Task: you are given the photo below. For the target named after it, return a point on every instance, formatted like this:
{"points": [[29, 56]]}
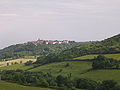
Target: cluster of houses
{"points": [[49, 42]]}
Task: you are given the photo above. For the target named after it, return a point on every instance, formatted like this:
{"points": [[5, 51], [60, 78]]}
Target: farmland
{"points": [[13, 86], [114, 56], [16, 61], [79, 69]]}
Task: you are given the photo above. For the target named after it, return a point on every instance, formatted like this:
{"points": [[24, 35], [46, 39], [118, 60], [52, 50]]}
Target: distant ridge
{"points": [[107, 46], [36, 48]]}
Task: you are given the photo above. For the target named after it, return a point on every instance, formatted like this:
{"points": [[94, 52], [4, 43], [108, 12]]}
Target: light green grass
{"points": [[114, 56], [15, 67], [99, 75], [13, 86], [79, 69], [76, 68]]}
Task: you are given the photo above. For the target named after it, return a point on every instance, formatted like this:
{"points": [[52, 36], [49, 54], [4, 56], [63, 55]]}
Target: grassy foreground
{"points": [[13, 86]]}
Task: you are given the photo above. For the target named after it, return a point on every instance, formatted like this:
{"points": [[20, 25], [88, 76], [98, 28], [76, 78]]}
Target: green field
{"points": [[114, 56], [13, 86], [76, 68], [79, 69]]}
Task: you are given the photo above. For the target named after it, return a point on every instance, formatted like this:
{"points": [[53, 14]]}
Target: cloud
{"points": [[8, 15]]}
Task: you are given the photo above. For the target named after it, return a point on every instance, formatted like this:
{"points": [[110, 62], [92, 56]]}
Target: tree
{"points": [[108, 85]]}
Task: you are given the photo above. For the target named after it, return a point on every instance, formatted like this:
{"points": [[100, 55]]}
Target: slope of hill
{"points": [[30, 49], [107, 46], [13, 86], [114, 56], [79, 69]]}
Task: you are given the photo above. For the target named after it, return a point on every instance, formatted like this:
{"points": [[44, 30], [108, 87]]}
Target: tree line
{"points": [[40, 79], [30, 49]]}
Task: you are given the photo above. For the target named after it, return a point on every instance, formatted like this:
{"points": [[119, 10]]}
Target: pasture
{"points": [[114, 56], [12, 86]]}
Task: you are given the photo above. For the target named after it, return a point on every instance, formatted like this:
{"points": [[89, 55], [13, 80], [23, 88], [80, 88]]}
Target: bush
{"points": [[102, 62], [85, 84], [29, 63], [108, 85]]}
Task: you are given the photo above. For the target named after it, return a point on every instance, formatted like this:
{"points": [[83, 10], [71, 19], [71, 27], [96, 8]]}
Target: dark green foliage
{"points": [[29, 63], [49, 59], [7, 64], [67, 65], [102, 62], [86, 84], [108, 85]]}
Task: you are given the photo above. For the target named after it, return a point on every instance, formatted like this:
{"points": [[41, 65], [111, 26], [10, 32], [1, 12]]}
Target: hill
{"points": [[107, 46], [31, 49]]}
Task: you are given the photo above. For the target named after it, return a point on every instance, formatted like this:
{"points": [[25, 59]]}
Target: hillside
{"points": [[114, 56], [13, 86], [30, 49], [78, 69], [107, 46]]}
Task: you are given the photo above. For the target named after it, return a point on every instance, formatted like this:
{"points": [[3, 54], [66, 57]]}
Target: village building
{"points": [[48, 42]]}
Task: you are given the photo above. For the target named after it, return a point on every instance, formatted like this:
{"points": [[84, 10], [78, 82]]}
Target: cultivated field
{"points": [[16, 66], [16, 61]]}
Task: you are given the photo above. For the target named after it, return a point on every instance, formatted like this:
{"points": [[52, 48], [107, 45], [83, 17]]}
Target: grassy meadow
{"points": [[13, 86], [79, 69], [114, 56]]}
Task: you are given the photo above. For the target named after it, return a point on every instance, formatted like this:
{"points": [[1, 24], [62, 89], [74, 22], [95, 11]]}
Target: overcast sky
{"points": [[80, 20]]}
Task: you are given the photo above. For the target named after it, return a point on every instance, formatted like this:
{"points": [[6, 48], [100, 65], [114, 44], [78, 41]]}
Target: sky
{"points": [[79, 20]]}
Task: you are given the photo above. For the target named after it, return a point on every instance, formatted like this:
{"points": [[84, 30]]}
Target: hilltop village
{"points": [[49, 42]]}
